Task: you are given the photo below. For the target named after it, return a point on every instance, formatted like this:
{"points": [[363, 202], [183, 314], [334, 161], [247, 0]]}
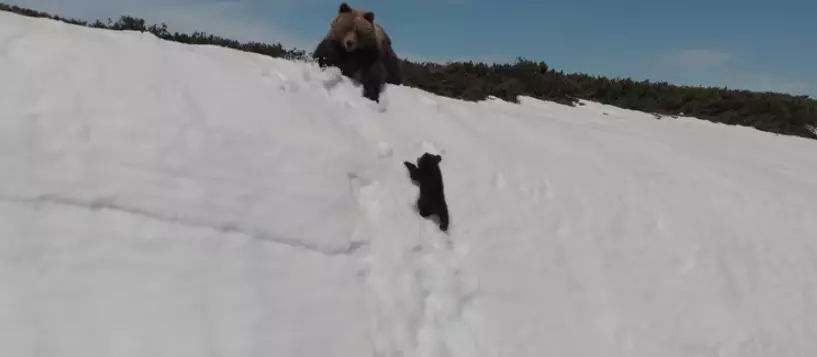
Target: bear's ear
{"points": [[437, 158], [344, 7], [368, 15]]}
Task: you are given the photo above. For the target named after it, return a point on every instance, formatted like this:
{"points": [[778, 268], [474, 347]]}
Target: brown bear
{"points": [[361, 49]]}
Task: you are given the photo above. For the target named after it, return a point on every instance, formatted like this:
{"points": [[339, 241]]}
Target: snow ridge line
{"points": [[110, 204]]}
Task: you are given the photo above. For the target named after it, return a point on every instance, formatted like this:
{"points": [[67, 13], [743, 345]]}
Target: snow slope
{"points": [[159, 199]]}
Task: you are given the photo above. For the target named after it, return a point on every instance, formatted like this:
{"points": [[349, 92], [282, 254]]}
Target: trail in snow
{"points": [[419, 293], [420, 298], [159, 199]]}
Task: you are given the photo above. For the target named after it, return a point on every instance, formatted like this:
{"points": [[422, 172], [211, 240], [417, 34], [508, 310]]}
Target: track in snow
{"points": [[421, 302]]}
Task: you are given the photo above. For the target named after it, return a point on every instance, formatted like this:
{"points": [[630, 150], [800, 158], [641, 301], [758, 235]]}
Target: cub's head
{"points": [[353, 28], [428, 161]]}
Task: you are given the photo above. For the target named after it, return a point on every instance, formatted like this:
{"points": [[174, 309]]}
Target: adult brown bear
{"points": [[361, 49]]}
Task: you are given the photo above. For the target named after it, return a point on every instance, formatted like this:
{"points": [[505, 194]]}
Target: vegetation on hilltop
{"points": [[767, 111]]}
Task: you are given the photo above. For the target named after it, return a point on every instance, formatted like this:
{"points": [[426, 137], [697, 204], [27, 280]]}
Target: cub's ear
{"points": [[437, 158], [369, 16], [344, 7]]}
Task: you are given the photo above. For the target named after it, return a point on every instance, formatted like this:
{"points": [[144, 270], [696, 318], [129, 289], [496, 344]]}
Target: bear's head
{"points": [[428, 160], [353, 28], [427, 166]]}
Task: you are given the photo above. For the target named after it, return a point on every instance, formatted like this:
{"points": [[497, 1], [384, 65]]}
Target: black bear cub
{"points": [[427, 175]]}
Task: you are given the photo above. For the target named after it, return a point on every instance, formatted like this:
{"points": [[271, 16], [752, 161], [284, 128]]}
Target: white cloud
{"points": [[753, 81], [226, 18], [718, 68], [697, 58], [418, 58], [766, 82]]}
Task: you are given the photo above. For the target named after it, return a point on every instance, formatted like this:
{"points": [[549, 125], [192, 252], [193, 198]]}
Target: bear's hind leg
{"points": [[423, 208], [443, 214]]}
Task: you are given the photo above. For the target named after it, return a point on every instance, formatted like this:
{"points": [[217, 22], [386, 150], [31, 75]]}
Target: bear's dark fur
{"points": [[361, 49], [429, 178]]}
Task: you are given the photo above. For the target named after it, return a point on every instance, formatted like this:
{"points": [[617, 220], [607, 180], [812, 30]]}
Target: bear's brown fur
{"points": [[361, 49]]}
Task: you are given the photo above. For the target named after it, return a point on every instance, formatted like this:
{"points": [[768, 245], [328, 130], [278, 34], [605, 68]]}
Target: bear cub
{"points": [[429, 178]]}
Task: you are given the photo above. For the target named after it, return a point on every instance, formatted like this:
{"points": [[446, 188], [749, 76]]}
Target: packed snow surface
{"points": [[160, 199]]}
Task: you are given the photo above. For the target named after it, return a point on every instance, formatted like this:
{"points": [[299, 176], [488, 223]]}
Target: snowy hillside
{"points": [[159, 199]]}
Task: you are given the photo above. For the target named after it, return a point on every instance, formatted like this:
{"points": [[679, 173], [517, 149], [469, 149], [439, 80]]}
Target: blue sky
{"points": [[740, 44]]}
